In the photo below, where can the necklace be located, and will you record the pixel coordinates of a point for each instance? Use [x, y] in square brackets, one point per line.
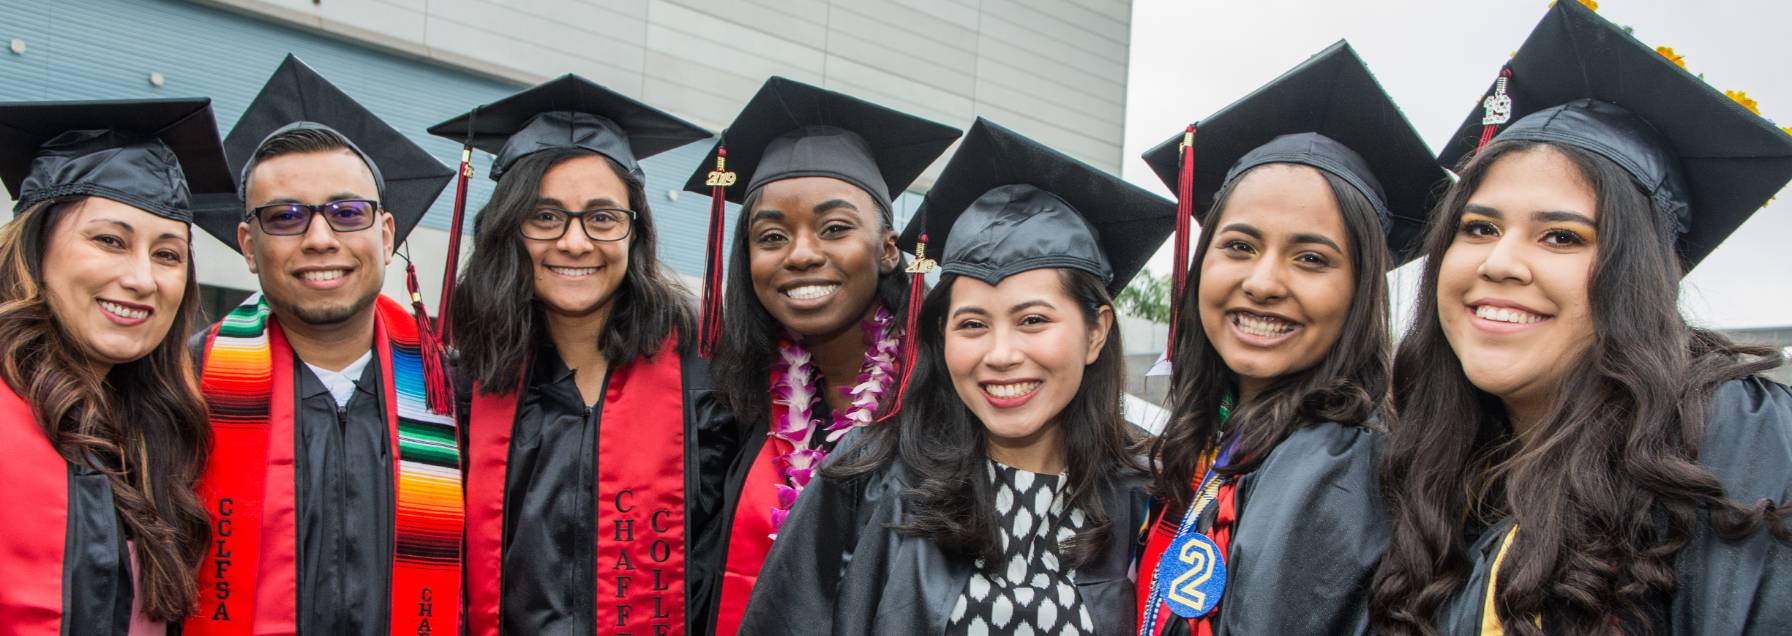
[795, 390]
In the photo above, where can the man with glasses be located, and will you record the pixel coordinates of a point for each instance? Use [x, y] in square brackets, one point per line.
[333, 484]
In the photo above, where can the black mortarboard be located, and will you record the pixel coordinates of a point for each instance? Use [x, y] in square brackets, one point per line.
[156, 154]
[1006, 204]
[408, 178]
[1328, 113]
[791, 129]
[570, 112]
[1706, 161]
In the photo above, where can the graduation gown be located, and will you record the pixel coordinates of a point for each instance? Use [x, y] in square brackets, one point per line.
[342, 473]
[1309, 529]
[837, 568]
[550, 566]
[1742, 587]
[62, 545]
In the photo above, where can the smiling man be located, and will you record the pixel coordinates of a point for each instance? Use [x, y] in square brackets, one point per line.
[334, 485]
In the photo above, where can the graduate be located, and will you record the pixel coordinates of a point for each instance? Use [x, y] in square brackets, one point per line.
[811, 342]
[1003, 498]
[1309, 190]
[334, 485]
[100, 413]
[1571, 455]
[596, 444]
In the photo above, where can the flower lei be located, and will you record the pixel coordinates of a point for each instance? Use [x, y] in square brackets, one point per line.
[794, 393]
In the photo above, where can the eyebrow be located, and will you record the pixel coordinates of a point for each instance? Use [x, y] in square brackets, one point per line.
[834, 204]
[1558, 216]
[339, 196]
[600, 202]
[1317, 239]
[765, 215]
[1245, 229]
[1017, 308]
[1483, 210]
[127, 227]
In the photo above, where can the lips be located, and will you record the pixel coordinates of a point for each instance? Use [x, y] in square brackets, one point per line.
[1011, 393]
[1260, 328]
[573, 272]
[810, 291]
[125, 313]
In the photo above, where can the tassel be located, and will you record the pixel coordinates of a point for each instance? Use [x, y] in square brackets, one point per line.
[1185, 217]
[1496, 109]
[449, 269]
[911, 342]
[439, 392]
[709, 329]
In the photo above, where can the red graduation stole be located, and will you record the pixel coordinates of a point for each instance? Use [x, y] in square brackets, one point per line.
[750, 540]
[640, 500]
[32, 539]
[1163, 533]
[248, 582]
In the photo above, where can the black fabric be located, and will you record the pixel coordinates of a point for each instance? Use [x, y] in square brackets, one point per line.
[346, 505]
[791, 129]
[549, 571]
[1328, 113]
[1311, 528]
[154, 154]
[838, 569]
[569, 112]
[1725, 587]
[1708, 162]
[1007, 204]
[96, 567]
[408, 178]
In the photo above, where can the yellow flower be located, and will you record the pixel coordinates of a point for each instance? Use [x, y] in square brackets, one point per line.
[1741, 97]
[1668, 52]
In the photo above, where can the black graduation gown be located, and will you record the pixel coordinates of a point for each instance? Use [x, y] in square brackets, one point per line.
[836, 568]
[1311, 528]
[346, 509]
[1742, 587]
[550, 497]
[96, 566]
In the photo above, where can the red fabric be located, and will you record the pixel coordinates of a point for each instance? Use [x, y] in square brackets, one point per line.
[248, 582]
[640, 499]
[750, 541]
[1163, 533]
[32, 540]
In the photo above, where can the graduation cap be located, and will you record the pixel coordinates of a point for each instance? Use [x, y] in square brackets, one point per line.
[1579, 80]
[296, 97]
[156, 155]
[791, 129]
[570, 112]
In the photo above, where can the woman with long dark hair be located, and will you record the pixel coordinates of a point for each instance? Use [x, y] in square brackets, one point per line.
[1264, 476]
[810, 343]
[1005, 498]
[595, 446]
[1572, 456]
[100, 411]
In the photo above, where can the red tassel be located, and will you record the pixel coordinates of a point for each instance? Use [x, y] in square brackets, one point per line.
[709, 327]
[1496, 109]
[911, 341]
[450, 268]
[1185, 217]
[439, 392]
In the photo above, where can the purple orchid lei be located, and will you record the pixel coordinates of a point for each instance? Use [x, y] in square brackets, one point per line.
[793, 405]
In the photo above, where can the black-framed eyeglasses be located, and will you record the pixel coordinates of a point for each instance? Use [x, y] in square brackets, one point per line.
[294, 219]
[601, 224]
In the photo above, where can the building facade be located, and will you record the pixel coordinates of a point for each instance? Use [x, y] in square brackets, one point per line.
[1052, 69]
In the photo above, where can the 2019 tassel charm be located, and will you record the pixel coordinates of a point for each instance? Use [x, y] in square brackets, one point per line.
[710, 326]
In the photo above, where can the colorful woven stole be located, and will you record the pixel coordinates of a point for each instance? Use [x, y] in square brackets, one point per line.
[640, 501]
[248, 583]
[32, 538]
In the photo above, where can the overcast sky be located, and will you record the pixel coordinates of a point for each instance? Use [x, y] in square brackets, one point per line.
[1190, 58]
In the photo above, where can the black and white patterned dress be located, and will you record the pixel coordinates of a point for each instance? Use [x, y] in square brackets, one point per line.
[1029, 592]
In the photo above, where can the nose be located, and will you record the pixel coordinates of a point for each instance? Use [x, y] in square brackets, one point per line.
[1264, 284]
[574, 242]
[138, 276]
[1505, 262]
[1005, 351]
[319, 236]
[803, 253]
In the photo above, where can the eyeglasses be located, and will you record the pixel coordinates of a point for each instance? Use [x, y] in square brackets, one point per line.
[294, 219]
[601, 224]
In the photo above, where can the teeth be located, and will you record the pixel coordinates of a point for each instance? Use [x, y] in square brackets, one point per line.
[1263, 326]
[1506, 314]
[1011, 390]
[127, 312]
[324, 274]
[810, 292]
[574, 272]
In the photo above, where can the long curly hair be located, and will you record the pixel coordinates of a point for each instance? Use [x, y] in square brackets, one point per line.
[142, 424]
[938, 438]
[496, 319]
[1348, 386]
[1611, 490]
